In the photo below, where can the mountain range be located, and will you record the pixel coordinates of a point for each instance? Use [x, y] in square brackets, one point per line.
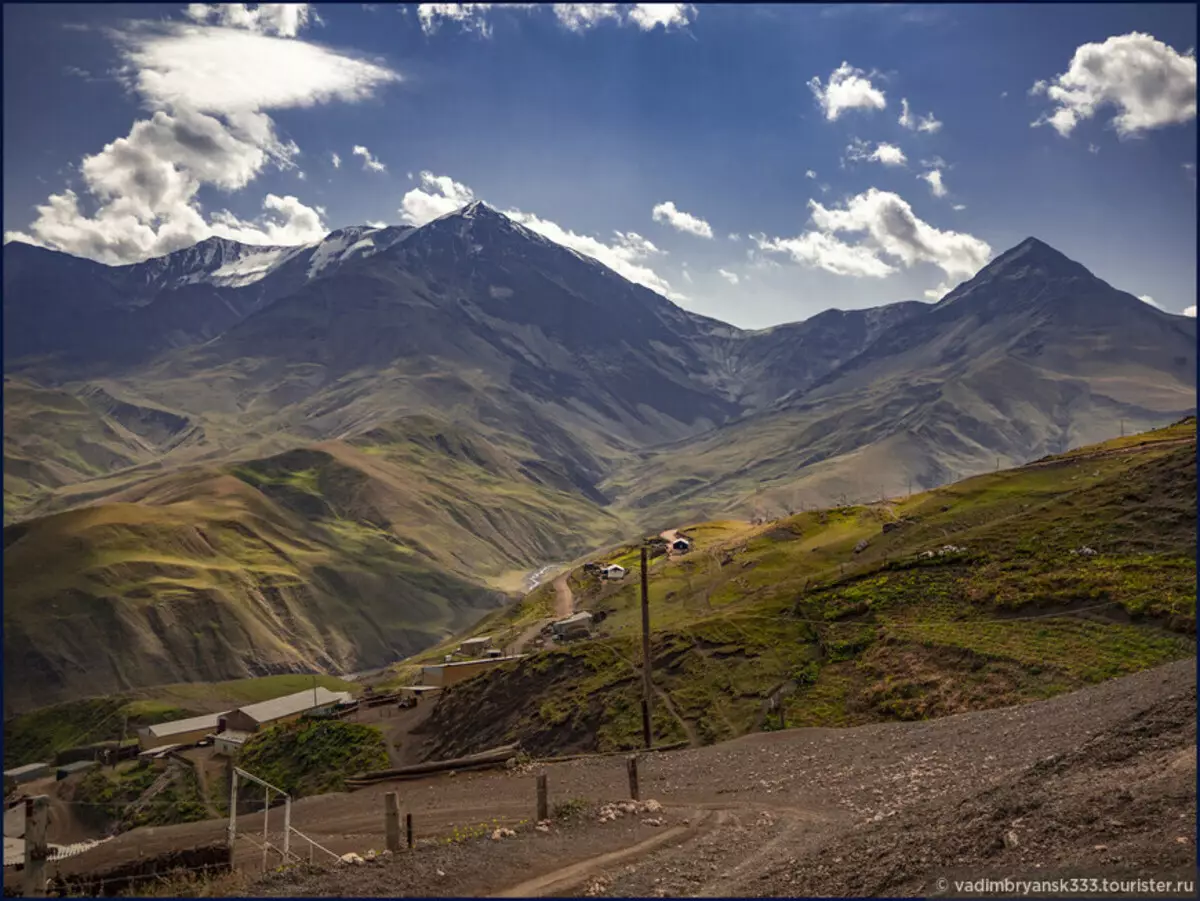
[240, 460]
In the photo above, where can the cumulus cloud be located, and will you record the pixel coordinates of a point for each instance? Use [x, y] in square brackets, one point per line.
[626, 258]
[666, 212]
[934, 179]
[848, 88]
[735, 237]
[336, 160]
[648, 16]
[1147, 82]
[959, 207]
[891, 236]
[287, 221]
[810, 174]
[437, 196]
[1146, 298]
[283, 19]
[926, 123]
[470, 16]
[576, 17]
[369, 162]
[1093, 148]
[730, 277]
[887, 154]
[1190, 311]
[208, 88]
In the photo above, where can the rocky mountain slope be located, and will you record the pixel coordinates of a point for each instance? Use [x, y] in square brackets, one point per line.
[471, 400]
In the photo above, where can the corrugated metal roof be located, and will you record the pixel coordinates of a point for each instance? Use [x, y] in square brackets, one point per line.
[176, 727]
[28, 768]
[266, 711]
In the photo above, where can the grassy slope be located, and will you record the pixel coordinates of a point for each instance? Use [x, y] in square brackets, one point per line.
[333, 558]
[790, 609]
[40, 734]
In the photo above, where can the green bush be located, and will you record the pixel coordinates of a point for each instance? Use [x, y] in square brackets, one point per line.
[310, 757]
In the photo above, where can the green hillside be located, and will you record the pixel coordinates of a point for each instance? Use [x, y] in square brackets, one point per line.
[1002, 588]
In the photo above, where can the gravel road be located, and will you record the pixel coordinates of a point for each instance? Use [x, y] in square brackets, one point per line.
[1102, 780]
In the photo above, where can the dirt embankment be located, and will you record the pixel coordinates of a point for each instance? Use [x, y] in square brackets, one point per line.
[1101, 782]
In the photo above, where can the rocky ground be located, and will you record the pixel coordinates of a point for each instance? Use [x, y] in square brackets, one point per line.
[1098, 783]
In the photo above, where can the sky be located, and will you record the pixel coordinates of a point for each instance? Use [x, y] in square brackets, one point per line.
[756, 164]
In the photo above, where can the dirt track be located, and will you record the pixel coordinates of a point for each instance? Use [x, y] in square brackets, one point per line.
[1103, 781]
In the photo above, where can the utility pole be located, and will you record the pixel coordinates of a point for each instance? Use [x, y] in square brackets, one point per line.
[1122, 428]
[314, 689]
[647, 736]
[121, 746]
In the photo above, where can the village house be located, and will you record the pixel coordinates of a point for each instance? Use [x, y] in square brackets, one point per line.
[177, 732]
[613, 571]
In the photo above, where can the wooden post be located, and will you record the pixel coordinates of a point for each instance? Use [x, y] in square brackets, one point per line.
[647, 732]
[37, 810]
[408, 829]
[631, 766]
[233, 781]
[782, 715]
[543, 800]
[391, 822]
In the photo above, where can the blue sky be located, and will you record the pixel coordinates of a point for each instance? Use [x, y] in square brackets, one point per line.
[583, 122]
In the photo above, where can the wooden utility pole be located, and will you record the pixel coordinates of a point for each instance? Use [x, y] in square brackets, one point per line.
[121, 746]
[543, 799]
[391, 821]
[631, 766]
[647, 735]
[37, 817]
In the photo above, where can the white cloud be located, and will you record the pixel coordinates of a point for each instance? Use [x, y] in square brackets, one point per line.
[218, 69]
[681, 221]
[1093, 148]
[926, 123]
[437, 196]
[1146, 298]
[648, 16]
[624, 257]
[959, 207]
[934, 180]
[471, 16]
[887, 154]
[376, 223]
[810, 174]
[730, 277]
[580, 17]
[1003, 94]
[369, 162]
[733, 236]
[576, 17]
[283, 19]
[848, 88]
[824, 251]
[1148, 82]
[288, 221]
[1189, 170]
[889, 228]
[1190, 311]
[636, 244]
[336, 160]
[208, 87]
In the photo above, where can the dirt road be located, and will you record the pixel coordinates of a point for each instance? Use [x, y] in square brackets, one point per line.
[1102, 780]
[564, 601]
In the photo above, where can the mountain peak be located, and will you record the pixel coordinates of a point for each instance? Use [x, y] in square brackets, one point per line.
[1032, 255]
[478, 210]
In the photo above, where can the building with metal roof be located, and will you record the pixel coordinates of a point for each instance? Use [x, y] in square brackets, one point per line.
[253, 717]
[28, 773]
[177, 732]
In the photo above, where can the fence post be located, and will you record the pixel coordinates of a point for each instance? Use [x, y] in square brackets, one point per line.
[543, 806]
[391, 822]
[408, 829]
[287, 827]
[233, 781]
[266, 820]
[37, 811]
[631, 766]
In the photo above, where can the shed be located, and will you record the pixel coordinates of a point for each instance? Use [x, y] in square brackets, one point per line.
[70, 769]
[613, 571]
[473, 647]
[578, 625]
[253, 717]
[27, 773]
[681, 544]
[447, 674]
[177, 732]
[229, 743]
